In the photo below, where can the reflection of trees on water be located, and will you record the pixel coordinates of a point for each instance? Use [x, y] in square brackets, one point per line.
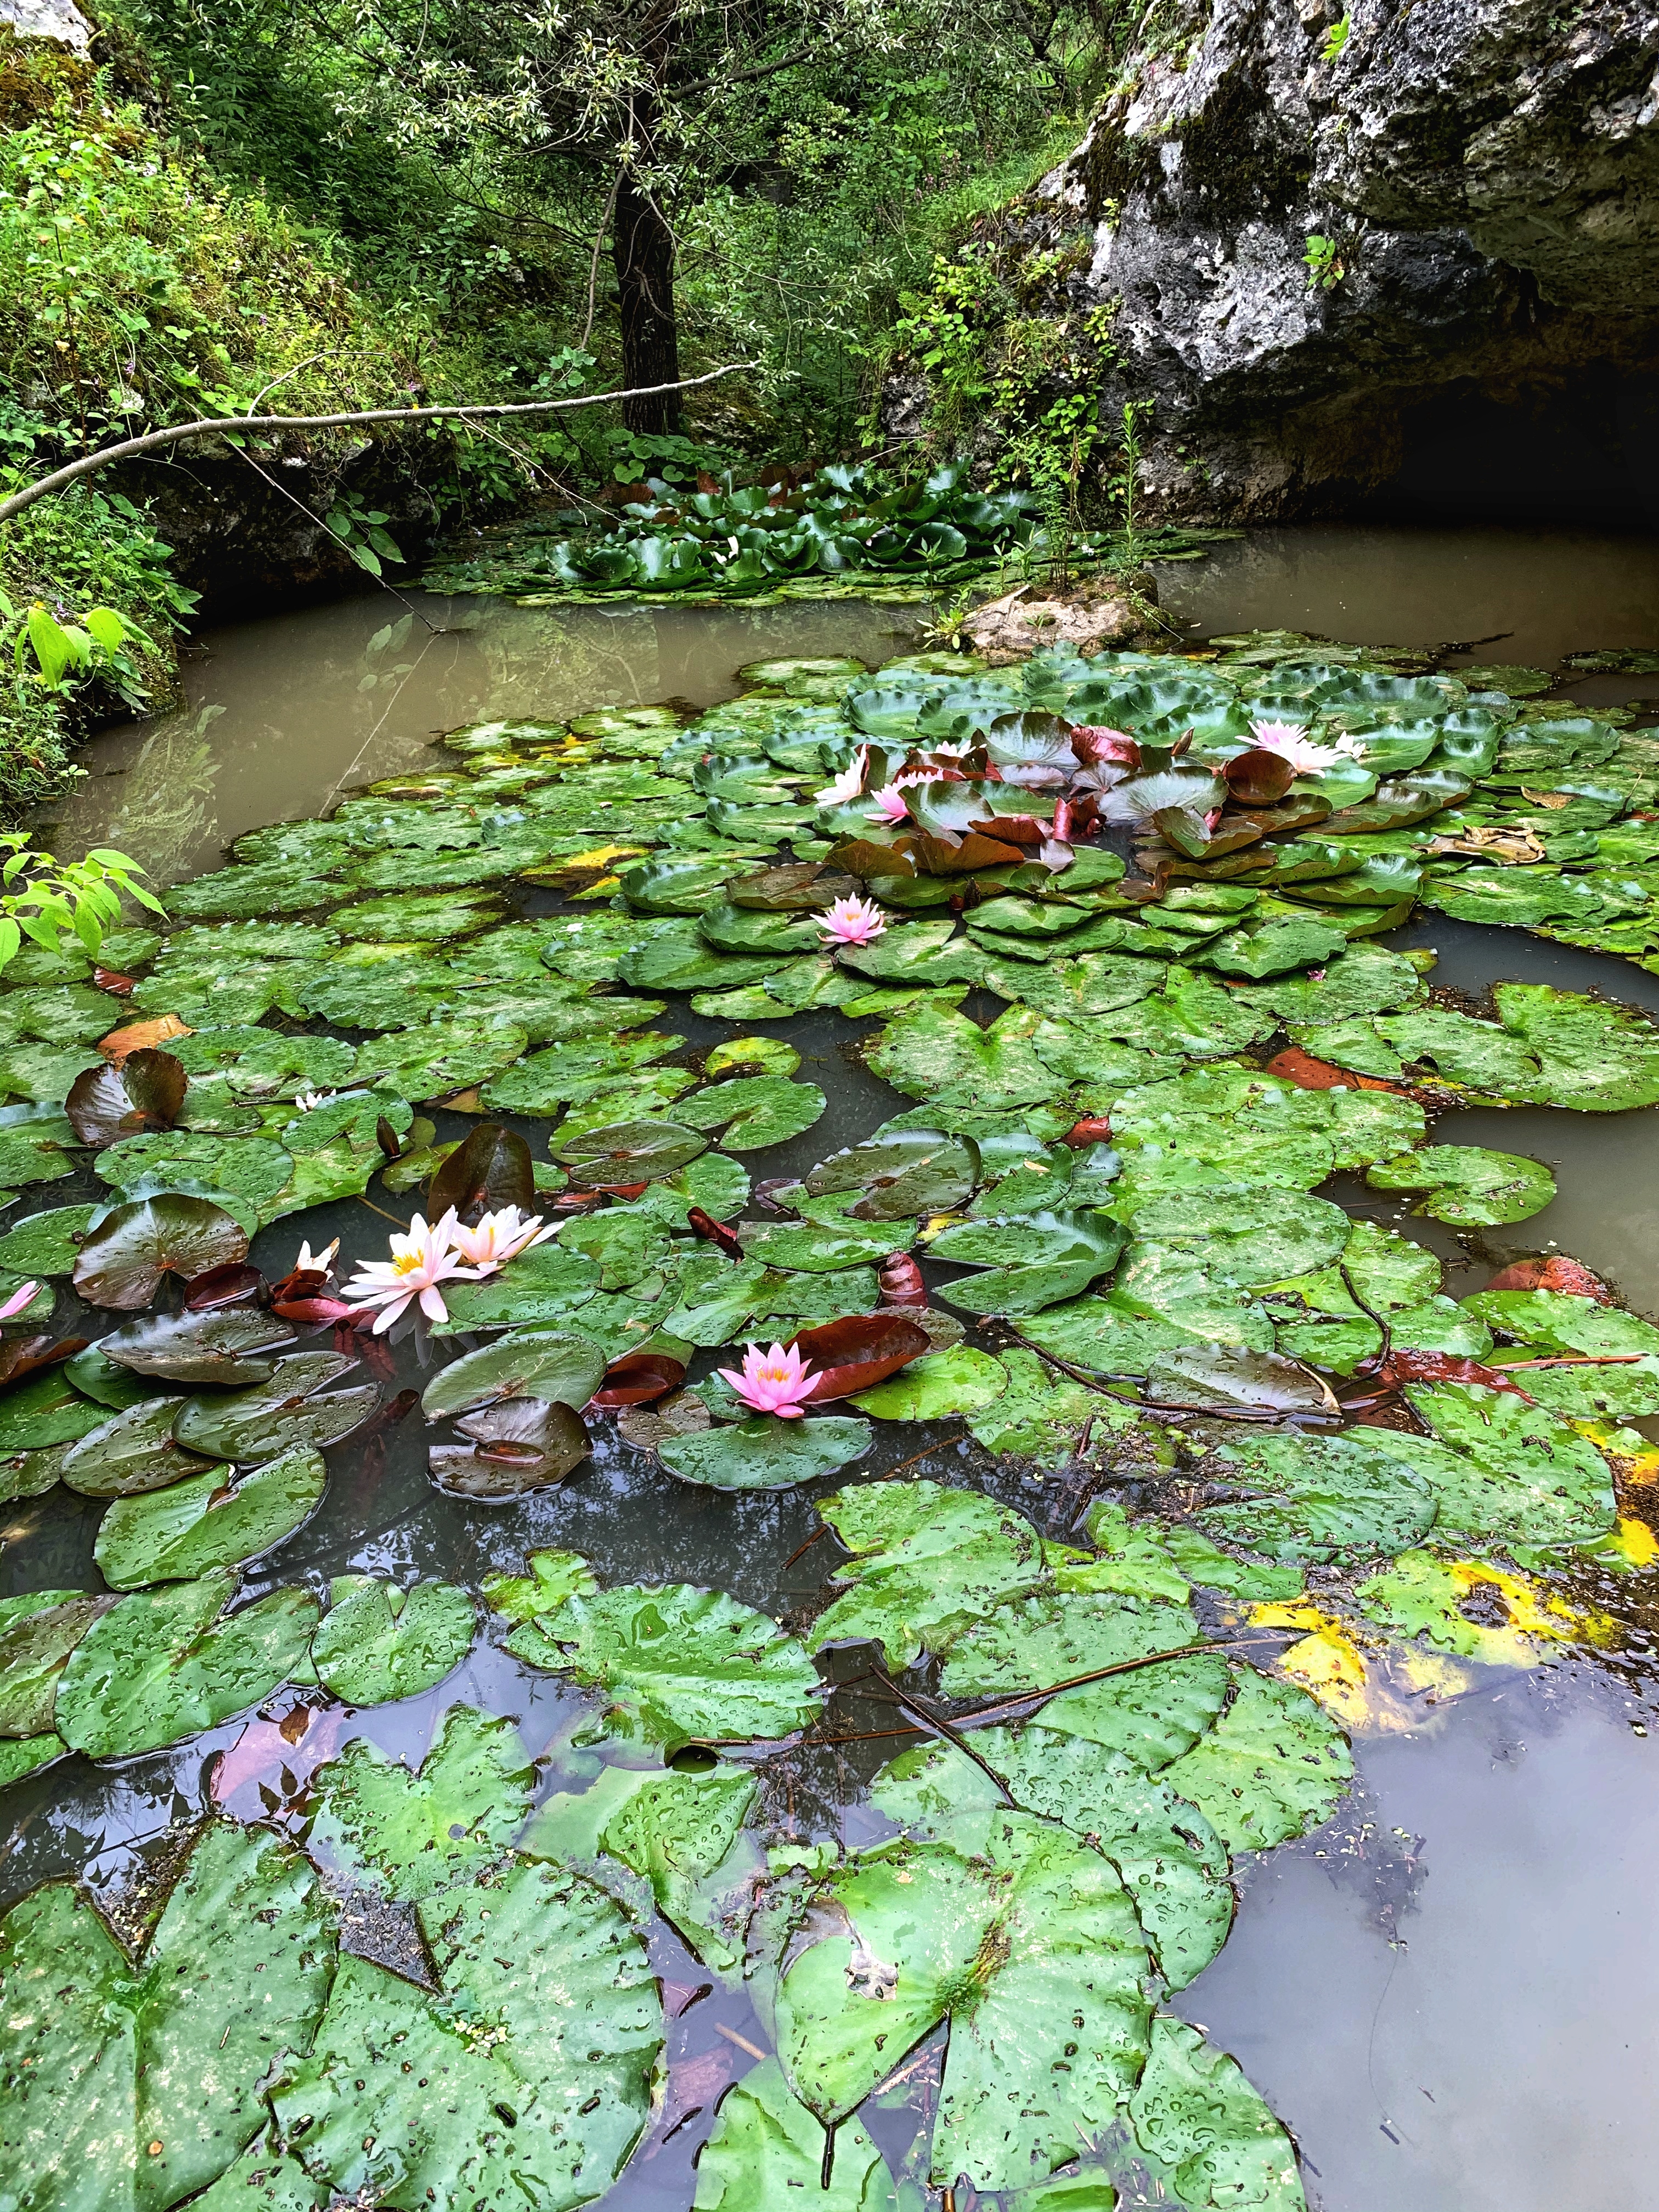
[164, 815]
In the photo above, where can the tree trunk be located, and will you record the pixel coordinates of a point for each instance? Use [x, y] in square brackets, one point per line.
[643, 247]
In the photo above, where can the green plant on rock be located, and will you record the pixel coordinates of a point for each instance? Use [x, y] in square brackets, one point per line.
[1324, 262]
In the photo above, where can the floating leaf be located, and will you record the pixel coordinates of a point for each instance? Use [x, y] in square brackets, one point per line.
[753, 1110]
[519, 1445]
[46, 1244]
[1468, 1185]
[1232, 1378]
[1031, 1642]
[489, 1169]
[673, 1663]
[1013, 1947]
[409, 1835]
[927, 1562]
[166, 1663]
[255, 1425]
[948, 1059]
[147, 1091]
[122, 1262]
[766, 2142]
[434, 1059]
[250, 1168]
[623, 1153]
[211, 1347]
[551, 1364]
[1214, 2142]
[206, 1523]
[572, 1073]
[37, 1634]
[959, 1381]
[377, 1642]
[541, 1285]
[154, 2065]
[46, 1410]
[765, 1452]
[1273, 1766]
[131, 1454]
[1320, 1498]
[901, 1172]
[1033, 1260]
[575, 2030]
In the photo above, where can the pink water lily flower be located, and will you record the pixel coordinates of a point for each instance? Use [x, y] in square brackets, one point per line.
[890, 804]
[848, 784]
[1291, 741]
[19, 1298]
[498, 1237]
[852, 922]
[420, 1261]
[775, 1381]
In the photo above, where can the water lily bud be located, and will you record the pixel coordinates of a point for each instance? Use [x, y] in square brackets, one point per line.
[900, 1281]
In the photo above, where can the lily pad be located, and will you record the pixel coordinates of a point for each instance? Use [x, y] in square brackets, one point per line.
[927, 1562]
[124, 1260]
[436, 1058]
[1244, 1238]
[946, 1059]
[46, 1410]
[1032, 1259]
[46, 1244]
[556, 1365]
[252, 1169]
[377, 1642]
[154, 2064]
[766, 1452]
[517, 1445]
[1012, 1946]
[753, 1110]
[902, 1173]
[1205, 2131]
[205, 1521]
[567, 1073]
[218, 1347]
[959, 1381]
[166, 1663]
[408, 1835]
[1468, 1185]
[673, 1663]
[765, 2142]
[1273, 1766]
[37, 1634]
[285, 1414]
[131, 1454]
[1319, 1498]
[619, 1153]
[419, 915]
[562, 1976]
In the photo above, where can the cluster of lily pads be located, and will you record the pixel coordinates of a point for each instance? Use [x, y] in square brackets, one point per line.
[840, 528]
[1092, 1246]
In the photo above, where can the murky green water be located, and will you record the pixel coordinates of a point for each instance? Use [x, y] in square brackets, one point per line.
[1446, 1992]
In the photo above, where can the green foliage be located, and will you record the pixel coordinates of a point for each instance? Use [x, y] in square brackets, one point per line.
[1324, 261]
[43, 898]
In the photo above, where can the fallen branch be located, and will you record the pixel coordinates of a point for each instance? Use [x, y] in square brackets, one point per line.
[240, 425]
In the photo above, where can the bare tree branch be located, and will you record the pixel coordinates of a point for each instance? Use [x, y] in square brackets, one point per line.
[219, 426]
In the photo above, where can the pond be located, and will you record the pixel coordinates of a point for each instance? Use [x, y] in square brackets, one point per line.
[1438, 1976]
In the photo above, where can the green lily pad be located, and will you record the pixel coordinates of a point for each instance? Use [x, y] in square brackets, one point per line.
[673, 1664]
[47, 1409]
[1123, 1333]
[1039, 1415]
[1073, 989]
[43, 1072]
[677, 959]
[417, 915]
[1319, 1498]
[286, 1413]
[70, 1013]
[1171, 1860]
[1244, 1239]
[1593, 1057]
[566, 1072]
[753, 1110]
[377, 1642]
[1552, 1322]
[940, 1383]
[32, 1147]
[765, 2142]
[1273, 1766]
[1468, 1185]
[133, 1453]
[917, 952]
[206, 1347]
[290, 886]
[575, 2030]
[37, 1634]
[988, 1943]
[434, 1059]
[1031, 1642]
[1032, 1261]
[540, 1285]
[46, 1244]
[1204, 2130]
[766, 1452]
[252, 1169]
[946, 1059]
[153, 2065]
[902, 1173]
[1367, 979]
[409, 1835]
[623, 1152]
[166, 1663]
[205, 1521]
[551, 1364]
[927, 1562]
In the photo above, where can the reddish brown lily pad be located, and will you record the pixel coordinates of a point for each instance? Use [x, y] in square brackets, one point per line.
[491, 1169]
[123, 1261]
[638, 1378]
[146, 1092]
[857, 1352]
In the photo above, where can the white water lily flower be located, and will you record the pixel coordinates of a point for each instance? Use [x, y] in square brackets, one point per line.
[420, 1261]
[321, 1263]
[308, 1101]
[497, 1238]
[848, 784]
[1291, 741]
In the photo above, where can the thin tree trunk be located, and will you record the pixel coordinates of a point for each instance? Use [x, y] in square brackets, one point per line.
[643, 247]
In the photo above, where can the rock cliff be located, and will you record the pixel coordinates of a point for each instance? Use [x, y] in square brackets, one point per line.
[1478, 181]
